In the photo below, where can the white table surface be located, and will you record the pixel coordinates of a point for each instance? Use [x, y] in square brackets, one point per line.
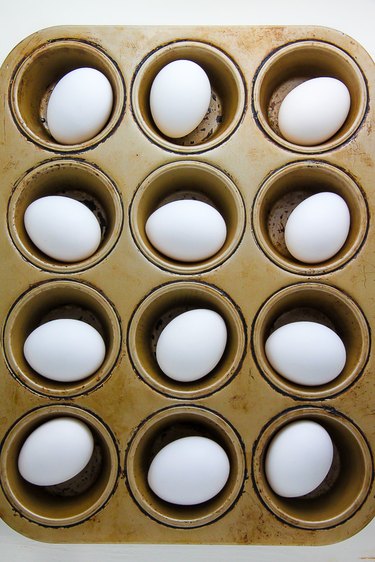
[19, 18]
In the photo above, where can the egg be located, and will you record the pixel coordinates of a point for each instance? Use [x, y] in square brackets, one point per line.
[317, 228]
[298, 458]
[79, 106]
[306, 353]
[65, 350]
[62, 228]
[189, 471]
[191, 345]
[186, 230]
[179, 98]
[314, 111]
[55, 451]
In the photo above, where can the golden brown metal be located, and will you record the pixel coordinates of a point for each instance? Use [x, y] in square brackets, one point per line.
[237, 161]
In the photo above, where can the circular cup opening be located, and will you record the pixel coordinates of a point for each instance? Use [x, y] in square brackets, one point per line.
[313, 302]
[295, 63]
[69, 178]
[38, 503]
[164, 427]
[227, 99]
[188, 180]
[37, 75]
[157, 310]
[284, 190]
[50, 301]
[348, 490]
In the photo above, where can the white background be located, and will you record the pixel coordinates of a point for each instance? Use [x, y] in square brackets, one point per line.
[19, 18]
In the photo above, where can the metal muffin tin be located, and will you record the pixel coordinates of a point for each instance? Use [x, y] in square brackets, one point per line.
[238, 162]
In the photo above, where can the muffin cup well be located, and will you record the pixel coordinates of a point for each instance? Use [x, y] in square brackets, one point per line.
[188, 180]
[228, 96]
[166, 426]
[348, 490]
[288, 186]
[36, 76]
[69, 178]
[320, 303]
[52, 300]
[157, 310]
[295, 63]
[35, 502]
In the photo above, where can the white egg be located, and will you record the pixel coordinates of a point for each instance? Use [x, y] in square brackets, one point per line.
[191, 345]
[306, 353]
[298, 458]
[179, 98]
[189, 471]
[317, 228]
[62, 228]
[79, 106]
[314, 111]
[186, 230]
[56, 451]
[65, 350]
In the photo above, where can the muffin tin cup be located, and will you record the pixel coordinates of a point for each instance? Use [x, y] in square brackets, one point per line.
[288, 186]
[228, 98]
[320, 303]
[156, 311]
[70, 178]
[166, 426]
[292, 64]
[50, 301]
[188, 180]
[348, 491]
[35, 502]
[39, 72]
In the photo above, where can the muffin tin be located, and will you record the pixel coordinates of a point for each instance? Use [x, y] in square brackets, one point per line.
[237, 161]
